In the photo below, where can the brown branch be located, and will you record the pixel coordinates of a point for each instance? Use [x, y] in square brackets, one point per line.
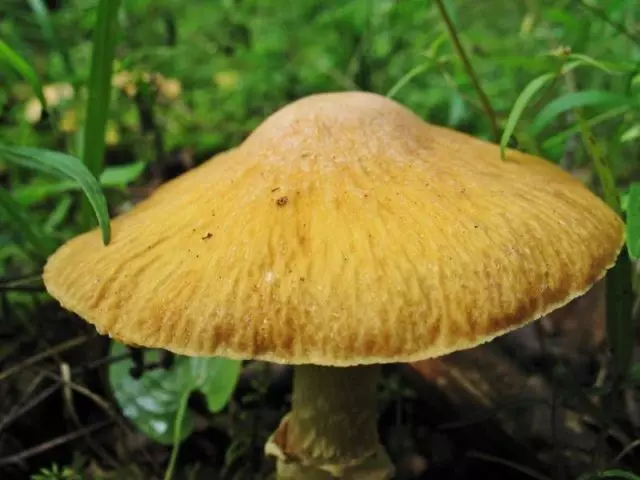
[43, 447]
[61, 347]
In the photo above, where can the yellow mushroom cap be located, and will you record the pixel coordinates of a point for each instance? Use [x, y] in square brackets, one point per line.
[344, 230]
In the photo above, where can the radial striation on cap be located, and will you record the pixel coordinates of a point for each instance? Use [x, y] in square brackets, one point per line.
[344, 230]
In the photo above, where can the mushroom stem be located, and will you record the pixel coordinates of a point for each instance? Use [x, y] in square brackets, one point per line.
[331, 431]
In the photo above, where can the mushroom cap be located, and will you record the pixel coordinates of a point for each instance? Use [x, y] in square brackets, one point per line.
[344, 230]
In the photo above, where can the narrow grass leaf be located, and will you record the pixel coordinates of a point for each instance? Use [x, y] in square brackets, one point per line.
[20, 65]
[519, 106]
[104, 44]
[631, 134]
[112, 177]
[41, 13]
[16, 218]
[620, 322]
[573, 100]
[587, 60]
[67, 167]
[407, 77]
[600, 163]
[59, 213]
[613, 473]
[559, 138]
[633, 220]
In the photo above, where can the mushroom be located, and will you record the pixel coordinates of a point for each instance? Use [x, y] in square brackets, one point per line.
[343, 233]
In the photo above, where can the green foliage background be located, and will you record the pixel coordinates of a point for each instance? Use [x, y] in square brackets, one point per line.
[196, 77]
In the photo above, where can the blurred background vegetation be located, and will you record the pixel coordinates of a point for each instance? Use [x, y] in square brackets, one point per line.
[557, 78]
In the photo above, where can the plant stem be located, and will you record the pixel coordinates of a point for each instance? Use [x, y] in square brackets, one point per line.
[331, 431]
[486, 105]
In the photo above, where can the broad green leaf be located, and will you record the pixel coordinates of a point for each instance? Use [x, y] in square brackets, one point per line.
[633, 220]
[519, 106]
[15, 218]
[216, 378]
[573, 100]
[104, 45]
[65, 166]
[11, 58]
[152, 402]
[111, 177]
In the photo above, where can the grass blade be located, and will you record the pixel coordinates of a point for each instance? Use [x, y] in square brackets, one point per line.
[633, 220]
[600, 163]
[16, 218]
[20, 65]
[67, 167]
[614, 473]
[407, 77]
[587, 60]
[112, 177]
[575, 100]
[519, 105]
[559, 138]
[41, 12]
[620, 321]
[104, 44]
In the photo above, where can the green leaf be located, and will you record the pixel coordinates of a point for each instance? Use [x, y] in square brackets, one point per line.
[216, 379]
[10, 57]
[407, 77]
[583, 59]
[111, 177]
[41, 13]
[633, 378]
[104, 45]
[58, 214]
[559, 138]
[633, 220]
[122, 175]
[620, 322]
[65, 166]
[613, 473]
[152, 402]
[533, 87]
[631, 134]
[573, 100]
[14, 217]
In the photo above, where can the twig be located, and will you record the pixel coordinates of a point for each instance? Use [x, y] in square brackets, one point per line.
[486, 105]
[43, 447]
[9, 419]
[61, 347]
[97, 399]
[626, 450]
[67, 393]
[100, 362]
